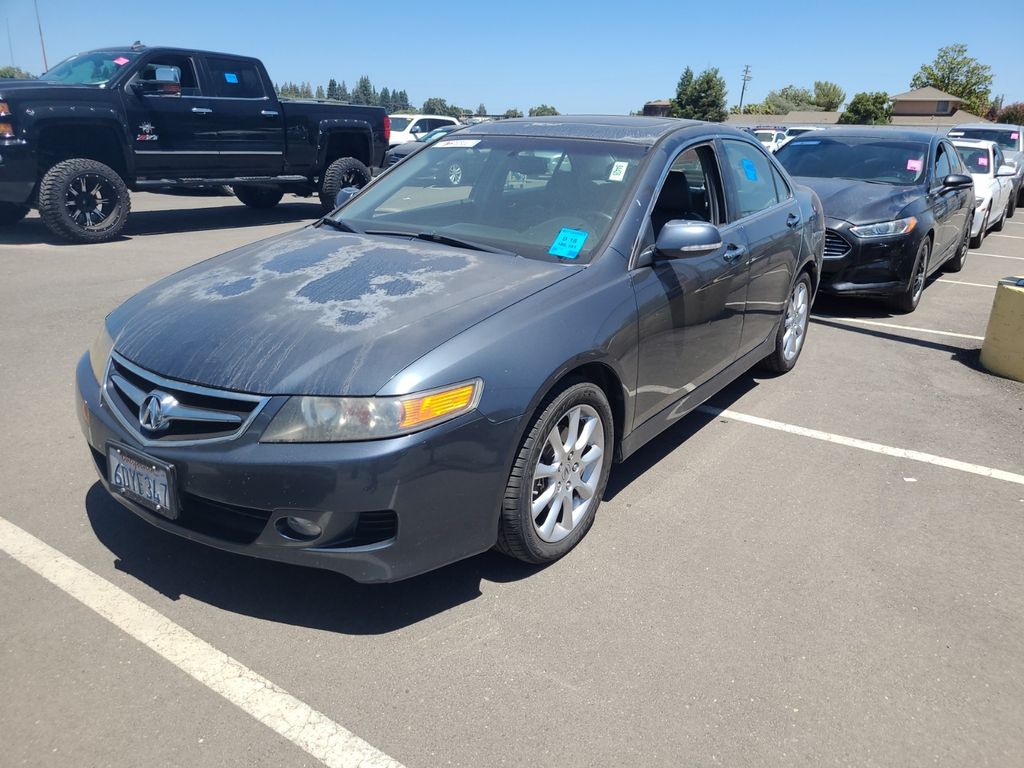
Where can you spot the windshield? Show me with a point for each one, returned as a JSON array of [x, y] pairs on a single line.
[[96, 68], [543, 198], [797, 131], [853, 157], [765, 136], [400, 123], [437, 133], [1005, 139], [976, 158]]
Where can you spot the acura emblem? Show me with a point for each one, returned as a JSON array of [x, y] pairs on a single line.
[[153, 413]]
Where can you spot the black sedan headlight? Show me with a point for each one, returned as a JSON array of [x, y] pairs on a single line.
[[886, 228]]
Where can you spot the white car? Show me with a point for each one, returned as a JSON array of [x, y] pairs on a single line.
[[993, 185], [797, 130], [770, 138], [410, 127]]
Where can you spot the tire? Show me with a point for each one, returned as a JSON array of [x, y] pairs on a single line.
[[12, 214], [906, 301], [344, 172], [998, 226], [1012, 208], [977, 240], [551, 533], [789, 340], [259, 197], [83, 201], [956, 263]]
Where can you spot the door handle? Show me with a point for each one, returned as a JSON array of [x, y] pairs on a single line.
[[201, 110], [793, 221], [268, 113], [733, 252]]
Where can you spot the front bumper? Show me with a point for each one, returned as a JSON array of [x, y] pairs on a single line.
[[866, 267], [979, 218], [17, 172], [430, 498]]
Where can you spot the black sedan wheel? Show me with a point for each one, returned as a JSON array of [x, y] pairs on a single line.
[[11, 213], [559, 475], [83, 201], [957, 262], [907, 301]]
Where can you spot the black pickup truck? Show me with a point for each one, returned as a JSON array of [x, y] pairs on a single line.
[[100, 123]]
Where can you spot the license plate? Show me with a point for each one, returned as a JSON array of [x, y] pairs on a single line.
[[142, 479]]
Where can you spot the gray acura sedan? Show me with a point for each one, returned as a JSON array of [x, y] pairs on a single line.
[[432, 371]]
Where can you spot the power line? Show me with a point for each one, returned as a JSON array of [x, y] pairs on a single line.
[[747, 77]]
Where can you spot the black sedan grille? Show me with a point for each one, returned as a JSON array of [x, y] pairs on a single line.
[[835, 246], [186, 413]]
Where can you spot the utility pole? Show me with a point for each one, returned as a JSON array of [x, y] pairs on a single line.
[[10, 45], [747, 77], [41, 43]]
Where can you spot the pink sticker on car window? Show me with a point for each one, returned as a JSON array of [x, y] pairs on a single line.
[[915, 165], [120, 61], [983, 161], [1015, 135]]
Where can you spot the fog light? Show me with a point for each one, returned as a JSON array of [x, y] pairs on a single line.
[[300, 528]]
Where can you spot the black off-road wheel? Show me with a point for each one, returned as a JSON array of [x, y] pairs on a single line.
[[83, 201], [559, 475], [258, 197], [12, 214], [789, 340], [907, 300], [344, 172]]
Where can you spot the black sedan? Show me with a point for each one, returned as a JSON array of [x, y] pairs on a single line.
[[898, 206], [402, 151], [432, 371]]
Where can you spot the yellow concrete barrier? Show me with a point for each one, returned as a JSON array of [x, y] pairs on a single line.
[[1002, 352]]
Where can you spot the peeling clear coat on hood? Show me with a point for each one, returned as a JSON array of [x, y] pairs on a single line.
[[861, 202], [318, 312]]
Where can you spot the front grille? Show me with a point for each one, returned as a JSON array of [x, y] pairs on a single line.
[[186, 414], [835, 246], [240, 525]]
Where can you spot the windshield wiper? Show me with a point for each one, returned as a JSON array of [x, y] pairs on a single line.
[[437, 237], [338, 224]]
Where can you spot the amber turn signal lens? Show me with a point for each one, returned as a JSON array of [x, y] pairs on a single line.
[[6, 129], [4, 109], [426, 408]]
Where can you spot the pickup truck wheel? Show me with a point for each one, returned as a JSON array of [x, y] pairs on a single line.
[[344, 172], [83, 201], [11, 213], [258, 197]]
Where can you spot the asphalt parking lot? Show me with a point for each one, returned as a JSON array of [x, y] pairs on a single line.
[[774, 581]]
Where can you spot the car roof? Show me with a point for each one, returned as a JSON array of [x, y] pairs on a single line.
[[986, 126], [417, 114], [140, 49], [636, 130], [980, 143], [880, 132]]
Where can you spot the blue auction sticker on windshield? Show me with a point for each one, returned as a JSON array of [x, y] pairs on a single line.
[[231, 77], [568, 243], [749, 169]]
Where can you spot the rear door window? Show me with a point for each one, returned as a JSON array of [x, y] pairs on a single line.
[[171, 69], [235, 78]]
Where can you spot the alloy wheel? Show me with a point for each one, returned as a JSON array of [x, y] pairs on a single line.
[[454, 174], [797, 314], [90, 199], [920, 274]]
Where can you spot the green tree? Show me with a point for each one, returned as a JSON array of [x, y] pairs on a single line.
[[828, 95], [956, 73], [386, 100], [867, 109], [401, 101], [332, 89], [701, 97], [543, 110], [364, 93], [306, 91], [14, 73], [435, 106], [1012, 113], [481, 111], [512, 112], [320, 92], [343, 94]]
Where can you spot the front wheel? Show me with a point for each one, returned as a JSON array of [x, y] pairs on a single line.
[[258, 197], [998, 226], [12, 214], [977, 239], [789, 340], [83, 201], [559, 475], [906, 301], [1012, 209], [344, 172], [957, 262]]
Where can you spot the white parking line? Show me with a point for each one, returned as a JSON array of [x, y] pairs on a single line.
[[1000, 234], [997, 256], [864, 445], [857, 320], [961, 282], [277, 709]]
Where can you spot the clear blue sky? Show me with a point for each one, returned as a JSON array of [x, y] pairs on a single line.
[[576, 56]]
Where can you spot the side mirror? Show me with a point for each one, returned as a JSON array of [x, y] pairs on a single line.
[[344, 195], [1006, 170], [157, 87], [679, 238], [958, 181]]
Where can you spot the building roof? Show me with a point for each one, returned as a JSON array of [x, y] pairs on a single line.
[[792, 118], [659, 103], [926, 94], [929, 120]]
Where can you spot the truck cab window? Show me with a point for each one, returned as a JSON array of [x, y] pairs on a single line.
[[171, 70], [235, 78]]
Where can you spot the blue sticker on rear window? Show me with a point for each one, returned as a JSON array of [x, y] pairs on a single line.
[[231, 77], [749, 169], [568, 243]]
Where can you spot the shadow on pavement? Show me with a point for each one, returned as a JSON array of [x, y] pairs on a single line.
[[285, 593], [970, 357]]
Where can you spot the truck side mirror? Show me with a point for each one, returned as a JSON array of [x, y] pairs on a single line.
[[157, 88]]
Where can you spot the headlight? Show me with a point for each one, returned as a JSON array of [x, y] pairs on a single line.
[[99, 352], [345, 419], [886, 228]]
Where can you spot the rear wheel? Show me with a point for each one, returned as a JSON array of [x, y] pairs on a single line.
[[83, 201], [259, 197], [11, 213], [559, 475], [908, 300], [344, 172], [789, 340]]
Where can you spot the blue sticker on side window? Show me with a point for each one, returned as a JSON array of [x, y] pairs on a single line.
[[231, 77], [749, 169], [568, 243]]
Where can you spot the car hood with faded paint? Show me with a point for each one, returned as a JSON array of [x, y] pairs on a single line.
[[317, 311], [862, 202]]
